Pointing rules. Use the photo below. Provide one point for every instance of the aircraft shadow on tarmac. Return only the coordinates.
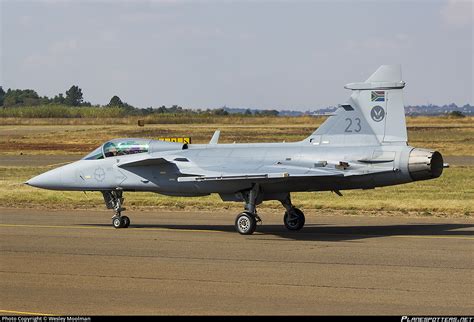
(321, 232)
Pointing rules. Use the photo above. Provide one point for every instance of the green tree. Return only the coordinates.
(2, 95)
(115, 101)
(175, 109)
(162, 109)
(457, 114)
(220, 111)
(59, 99)
(74, 96)
(10, 98)
(269, 112)
(21, 97)
(45, 100)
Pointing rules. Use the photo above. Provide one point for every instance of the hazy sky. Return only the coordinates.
(265, 54)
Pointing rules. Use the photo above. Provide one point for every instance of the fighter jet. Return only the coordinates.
(363, 145)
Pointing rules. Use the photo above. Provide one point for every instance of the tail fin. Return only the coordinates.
(374, 114)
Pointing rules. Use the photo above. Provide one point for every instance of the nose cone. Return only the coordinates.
(48, 180)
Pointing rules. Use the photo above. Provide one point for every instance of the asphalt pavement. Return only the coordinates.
(74, 262)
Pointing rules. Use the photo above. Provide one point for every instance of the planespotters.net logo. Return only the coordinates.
(437, 319)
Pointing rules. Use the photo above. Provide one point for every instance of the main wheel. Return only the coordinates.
(117, 222)
(294, 219)
(245, 223)
(125, 221)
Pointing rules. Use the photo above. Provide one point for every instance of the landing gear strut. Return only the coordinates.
(246, 222)
(294, 218)
(114, 200)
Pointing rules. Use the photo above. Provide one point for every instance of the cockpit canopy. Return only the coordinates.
(119, 147)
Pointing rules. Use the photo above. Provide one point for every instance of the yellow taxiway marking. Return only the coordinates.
(222, 232)
(60, 163)
(401, 236)
(432, 237)
(26, 313)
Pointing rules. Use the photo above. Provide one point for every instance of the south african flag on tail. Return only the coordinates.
(378, 96)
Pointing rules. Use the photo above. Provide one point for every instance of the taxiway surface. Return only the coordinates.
(74, 262)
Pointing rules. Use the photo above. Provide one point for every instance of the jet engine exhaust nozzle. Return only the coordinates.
(425, 164)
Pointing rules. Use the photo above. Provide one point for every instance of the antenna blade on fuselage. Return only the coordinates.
(215, 137)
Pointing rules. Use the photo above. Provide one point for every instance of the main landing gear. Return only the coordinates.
(114, 200)
(294, 218)
(246, 222)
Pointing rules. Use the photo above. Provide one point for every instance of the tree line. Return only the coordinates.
(73, 97)
(28, 97)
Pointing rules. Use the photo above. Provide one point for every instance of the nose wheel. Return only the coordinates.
(114, 200)
(121, 221)
(125, 221)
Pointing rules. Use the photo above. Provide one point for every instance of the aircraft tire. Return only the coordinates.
(245, 223)
(117, 222)
(125, 222)
(296, 222)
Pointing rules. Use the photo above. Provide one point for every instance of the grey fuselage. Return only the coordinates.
(107, 174)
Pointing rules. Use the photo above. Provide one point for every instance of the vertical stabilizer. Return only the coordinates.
(373, 114)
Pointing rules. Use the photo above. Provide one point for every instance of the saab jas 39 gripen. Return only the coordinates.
(363, 145)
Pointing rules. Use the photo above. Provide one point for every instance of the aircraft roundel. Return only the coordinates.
(99, 174)
(377, 113)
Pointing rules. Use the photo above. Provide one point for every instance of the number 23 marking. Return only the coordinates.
(357, 127)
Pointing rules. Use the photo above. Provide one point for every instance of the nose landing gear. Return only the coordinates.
(246, 222)
(114, 200)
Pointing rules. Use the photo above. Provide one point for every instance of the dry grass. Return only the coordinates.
(231, 119)
(449, 136)
(166, 119)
